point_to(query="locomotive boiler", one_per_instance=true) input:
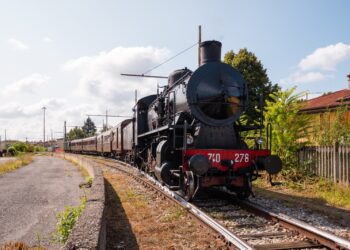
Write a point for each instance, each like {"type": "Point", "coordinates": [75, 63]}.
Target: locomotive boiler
{"type": "Point", "coordinates": [188, 134]}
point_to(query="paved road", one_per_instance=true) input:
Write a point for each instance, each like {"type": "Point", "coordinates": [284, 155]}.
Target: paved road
{"type": "Point", "coordinates": [31, 196]}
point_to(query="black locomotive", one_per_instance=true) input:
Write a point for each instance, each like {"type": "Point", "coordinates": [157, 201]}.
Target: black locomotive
{"type": "Point", "coordinates": [188, 135]}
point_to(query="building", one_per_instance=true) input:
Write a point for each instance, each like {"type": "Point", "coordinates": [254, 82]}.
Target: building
{"type": "Point", "coordinates": [326, 108]}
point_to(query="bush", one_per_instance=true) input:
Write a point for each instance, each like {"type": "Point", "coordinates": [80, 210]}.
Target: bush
{"type": "Point", "coordinates": [20, 146]}
{"type": "Point", "coordinates": [289, 129]}
{"type": "Point", "coordinates": [11, 151]}
{"type": "Point", "coordinates": [39, 149]}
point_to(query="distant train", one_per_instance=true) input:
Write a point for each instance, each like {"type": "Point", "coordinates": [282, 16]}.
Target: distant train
{"type": "Point", "coordinates": [116, 143]}
{"type": "Point", "coordinates": [188, 135]}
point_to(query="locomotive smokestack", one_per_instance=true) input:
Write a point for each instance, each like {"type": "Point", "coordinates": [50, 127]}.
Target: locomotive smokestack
{"type": "Point", "coordinates": [210, 51]}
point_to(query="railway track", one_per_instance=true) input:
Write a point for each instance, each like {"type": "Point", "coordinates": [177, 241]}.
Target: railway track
{"type": "Point", "coordinates": [241, 224]}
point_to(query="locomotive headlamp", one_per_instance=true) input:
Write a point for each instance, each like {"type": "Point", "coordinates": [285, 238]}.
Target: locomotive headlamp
{"type": "Point", "coordinates": [189, 139]}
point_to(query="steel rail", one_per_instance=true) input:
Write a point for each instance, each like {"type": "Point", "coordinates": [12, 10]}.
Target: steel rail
{"type": "Point", "coordinates": [327, 239]}
{"type": "Point", "coordinates": [231, 238]}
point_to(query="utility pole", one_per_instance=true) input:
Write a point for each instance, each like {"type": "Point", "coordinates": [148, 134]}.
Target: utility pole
{"type": "Point", "coordinates": [44, 108]}
{"type": "Point", "coordinates": [135, 96]}
{"type": "Point", "coordinates": [199, 43]}
{"type": "Point", "coordinates": [51, 138]}
{"type": "Point", "coordinates": [65, 130]}
{"type": "Point", "coordinates": [5, 138]}
{"type": "Point", "coordinates": [106, 119]}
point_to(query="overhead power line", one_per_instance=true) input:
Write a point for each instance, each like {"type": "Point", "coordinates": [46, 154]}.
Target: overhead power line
{"type": "Point", "coordinates": [171, 58]}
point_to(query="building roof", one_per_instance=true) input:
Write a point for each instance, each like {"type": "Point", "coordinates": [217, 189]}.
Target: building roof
{"type": "Point", "coordinates": [328, 101]}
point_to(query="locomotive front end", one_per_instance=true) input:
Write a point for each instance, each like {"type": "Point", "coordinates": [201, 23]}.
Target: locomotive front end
{"type": "Point", "coordinates": [217, 97]}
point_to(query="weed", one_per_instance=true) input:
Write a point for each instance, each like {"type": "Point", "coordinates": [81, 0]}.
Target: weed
{"type": "Point", "coordinates": [67, 220]}
{"type": "Point", "coordinates": [88, 180]}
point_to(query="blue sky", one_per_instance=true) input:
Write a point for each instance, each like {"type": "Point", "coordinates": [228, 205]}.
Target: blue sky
{"type": "Point", "coordinates": [67, 55]}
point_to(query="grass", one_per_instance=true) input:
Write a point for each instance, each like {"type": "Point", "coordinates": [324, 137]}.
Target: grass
{"type": "Point", "coordinates": [176, 212]}
{"type": "Point", "coordinates": [333, 194]}
{"type": "Point", "coordinates": [18, 162]}
{"type": "Point", "coordinates": [80, 167]}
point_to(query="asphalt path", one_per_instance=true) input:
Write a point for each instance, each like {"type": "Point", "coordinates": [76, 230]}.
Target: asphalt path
{"type": "Point", "coordinates": [31, 197]}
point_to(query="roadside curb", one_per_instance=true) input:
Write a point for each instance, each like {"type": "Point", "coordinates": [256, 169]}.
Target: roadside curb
{"type": "Point", "coordinates": [89, 232]}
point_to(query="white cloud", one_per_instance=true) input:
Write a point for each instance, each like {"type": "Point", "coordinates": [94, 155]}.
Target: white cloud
{"type": "Point", "coordinates": [23, 121]}
{"type": "Point", "coordinates": [326, 58]}
{"type": "Point", "coordinates": [100, 75]}
{"type": "Point", "coordinates": [47, 39]}
{"type": "Point", "coordinates": [100, 87]}
{"type": "Point", "coordinates": [27, 84]}
{"type": "Point", "coordinates": [16, 110]}
{"type": "Point", "coordinates": [17, 44]}
{"type": "Point", "coordinates": [318, 65]}
{"type": "Point", "coordinates": [304, 77]}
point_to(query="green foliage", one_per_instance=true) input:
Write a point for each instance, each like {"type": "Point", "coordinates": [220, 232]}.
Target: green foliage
{"type": "Point", "coordinates": [333, 131]}
{"type": "Point", "coordinates": [89, 127]}
{"type": "Point", "coordinates": [289, 128]}
{"type": "Point", "coordinates": [256, 78]}
{"type": "Point", "coordinates": [20, 146]}
{"type": "Point", "coordinates": [89, 180]}
{"type": "Point", "coordinates": [39, 149]}
{"type": "Point", "coordinates": [67, 220]}
{"type": "Point", "coordinates": [76, 133]}
{"type": "Point", "coordinates": [11, 151]}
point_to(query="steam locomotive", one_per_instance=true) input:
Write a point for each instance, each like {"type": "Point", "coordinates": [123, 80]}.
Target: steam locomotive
{"type": "Point", "coordinates": [188, 134]}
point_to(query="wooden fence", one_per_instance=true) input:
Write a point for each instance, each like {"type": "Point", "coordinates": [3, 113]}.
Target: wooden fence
{"type": "Point", "coordinates": [331, 162]}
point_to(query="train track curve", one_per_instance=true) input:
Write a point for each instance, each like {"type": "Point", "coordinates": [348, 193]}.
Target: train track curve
{"type": "Point", "coordinates": [241, 224]}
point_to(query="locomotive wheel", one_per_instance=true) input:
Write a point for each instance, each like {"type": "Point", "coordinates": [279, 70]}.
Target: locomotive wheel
{"type": "Point", "coordinates": [188, 185]}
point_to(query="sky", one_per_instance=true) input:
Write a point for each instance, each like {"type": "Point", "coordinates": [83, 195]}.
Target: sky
{"type": "Point", "coordinates": [68, 55]}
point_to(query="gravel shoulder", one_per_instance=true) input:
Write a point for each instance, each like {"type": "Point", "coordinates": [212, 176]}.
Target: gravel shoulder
{"type": "Point", "coordinates": [310, 210]}
{"type": "Point", "coordinates": [32, 196]}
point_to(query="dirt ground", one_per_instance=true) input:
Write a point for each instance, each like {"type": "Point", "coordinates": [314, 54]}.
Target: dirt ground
{"type": "Point", "coordinates": [138, 218]}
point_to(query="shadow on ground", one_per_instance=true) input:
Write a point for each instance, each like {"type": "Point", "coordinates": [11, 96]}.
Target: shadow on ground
{"type": "Point", "coordinates": [119, 231]}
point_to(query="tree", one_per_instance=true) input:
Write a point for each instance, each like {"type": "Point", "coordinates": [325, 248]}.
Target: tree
{"type": "Point", "coordinates": [289, 126]}
{"type": "Point", "coordinates": [89, 127]}
{"type": "Point", "coordinates": [75, 133]}
{"type": "Point", "coordinates": [256, 78]}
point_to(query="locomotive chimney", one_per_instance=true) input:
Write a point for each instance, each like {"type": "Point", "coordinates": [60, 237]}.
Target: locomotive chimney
{"type": "Point", "coordinates": [210, 52]}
